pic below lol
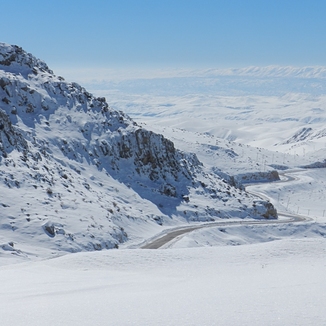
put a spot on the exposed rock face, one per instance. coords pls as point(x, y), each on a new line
point(10, 137)
point(55, 136)
point(265, 209)
point(270, 211)
point(258, 177)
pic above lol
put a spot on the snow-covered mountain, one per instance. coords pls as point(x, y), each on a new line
point(271, 71)
point(77, 175)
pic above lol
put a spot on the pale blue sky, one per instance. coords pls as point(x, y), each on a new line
point(166, 33)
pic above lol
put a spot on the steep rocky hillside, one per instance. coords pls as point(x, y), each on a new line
point(78, 175)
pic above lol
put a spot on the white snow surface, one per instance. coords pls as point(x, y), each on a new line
point(277, 283)
point(242, 124)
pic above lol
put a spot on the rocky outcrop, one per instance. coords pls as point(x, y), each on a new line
point(10, 137)
point(253, 177)
point(315, 165)
point(265, 209)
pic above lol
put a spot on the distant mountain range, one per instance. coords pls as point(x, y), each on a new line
point(270, 71)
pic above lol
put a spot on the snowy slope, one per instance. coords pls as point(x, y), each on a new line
point(78, 175)
point(278, 283)
point(244, 122)
point(263, 118)
point(269, 107)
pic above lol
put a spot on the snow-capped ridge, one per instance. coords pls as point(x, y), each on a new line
point(271, 71)
point(15, 60)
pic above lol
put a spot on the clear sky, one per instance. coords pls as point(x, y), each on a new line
point(168, 33)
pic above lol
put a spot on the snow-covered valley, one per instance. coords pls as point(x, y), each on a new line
point(87, 180)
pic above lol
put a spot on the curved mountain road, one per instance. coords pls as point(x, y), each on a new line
point(161, 240)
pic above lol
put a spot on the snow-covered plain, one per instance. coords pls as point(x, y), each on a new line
point(237, 122)
point(275, 283)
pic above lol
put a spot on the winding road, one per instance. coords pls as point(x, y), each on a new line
point(162, 239)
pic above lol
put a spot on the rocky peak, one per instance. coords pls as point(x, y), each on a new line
point(14, 59)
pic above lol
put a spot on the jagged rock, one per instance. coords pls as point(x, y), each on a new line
point(270, 210)
point(13, 57)
point(10, 137)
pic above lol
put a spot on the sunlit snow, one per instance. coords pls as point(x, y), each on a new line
point(240, 123)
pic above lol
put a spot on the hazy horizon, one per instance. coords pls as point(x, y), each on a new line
point(180, 34)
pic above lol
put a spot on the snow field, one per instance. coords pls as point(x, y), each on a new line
point(276, 283)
